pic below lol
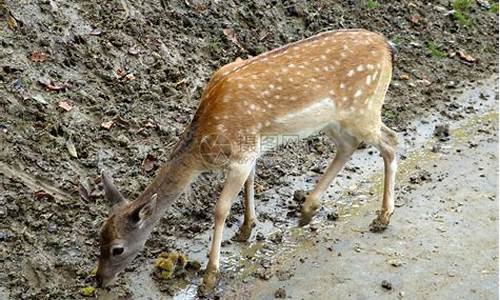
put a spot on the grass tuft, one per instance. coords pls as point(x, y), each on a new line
point(372, 4)
point(435, 50)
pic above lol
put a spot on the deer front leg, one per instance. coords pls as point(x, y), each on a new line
point(346, 145)
point(387, 148)
point(234, 181)
point(248, 202)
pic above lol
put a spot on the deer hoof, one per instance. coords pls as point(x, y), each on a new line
point(244, 233)
point(210, 279)
point(306, 216)
point(381, 222)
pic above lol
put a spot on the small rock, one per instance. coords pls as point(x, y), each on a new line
point(280, 293)
point(52, 228)
point(442, 131)
point(332, 216)
point(299, 196)
point(386, 285)
point(260, 236)
point(395, 262)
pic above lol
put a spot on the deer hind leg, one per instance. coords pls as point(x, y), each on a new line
point(387, 147)
point(248, 202)
point(346, 145)
point(235, 178)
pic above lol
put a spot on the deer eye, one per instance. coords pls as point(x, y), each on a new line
point(118, 250)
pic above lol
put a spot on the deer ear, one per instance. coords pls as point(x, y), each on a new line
point(110, 190)
point(144, 211)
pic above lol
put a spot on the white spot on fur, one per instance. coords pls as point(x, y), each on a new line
point(350, 73)
point(342, 85)
point(368, 80)
point(358, 93)
point(360, 68)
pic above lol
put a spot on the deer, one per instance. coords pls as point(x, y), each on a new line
point(334, 82)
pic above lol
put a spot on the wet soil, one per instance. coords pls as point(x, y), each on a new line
point(132, 73)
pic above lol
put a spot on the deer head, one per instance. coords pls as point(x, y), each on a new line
point(124, 233)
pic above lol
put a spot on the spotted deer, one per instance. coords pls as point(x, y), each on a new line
point(333, 82)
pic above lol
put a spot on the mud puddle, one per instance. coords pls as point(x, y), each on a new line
point(355, 195)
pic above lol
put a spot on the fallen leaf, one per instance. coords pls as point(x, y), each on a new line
point(231, 35)
point(65, 105)
point(50, 85)
point(466, 57)
point(150, 124)
point(84, 191)
point(130, 76)
point(107, 124)
point(120, 73)
point(11, 22)
point(38, 56)
point(134, 50)
point(41, 194)
point(121, 121)
point(404, 77)
point(96, 31)
point(149, 163)
point(39, 99)
point(71, 148)
point(415, 19)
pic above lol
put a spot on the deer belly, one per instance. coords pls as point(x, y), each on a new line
point(307, 120)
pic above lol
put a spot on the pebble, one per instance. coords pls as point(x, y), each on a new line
point(386, 285)
point(280, 293)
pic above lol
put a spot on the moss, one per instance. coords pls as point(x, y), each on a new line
point(165, 264)
point(87, 291)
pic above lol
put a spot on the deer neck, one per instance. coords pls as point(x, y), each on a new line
point(171, 181)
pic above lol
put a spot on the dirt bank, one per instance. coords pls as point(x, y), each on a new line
point(110, 84)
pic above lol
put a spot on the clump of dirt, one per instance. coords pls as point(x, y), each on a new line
point(111, 84)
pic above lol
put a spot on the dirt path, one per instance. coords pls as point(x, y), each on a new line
point(442, 243)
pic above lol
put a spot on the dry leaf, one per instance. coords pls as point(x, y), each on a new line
point(41, 194)
point(38, 56)
point(107, 124)
point(404, 77)
point(11, 22)
point(466, 57)
point(65, 105)
point(49, 85)
point(130, 76)
point(231, 35)
point(96, 31)
point(415, 19)
point(71, 148)
point(84, 191)
point(133, 50)
point(149, 163)
point(120, 73)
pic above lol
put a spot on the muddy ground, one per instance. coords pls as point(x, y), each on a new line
point(132, 73)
